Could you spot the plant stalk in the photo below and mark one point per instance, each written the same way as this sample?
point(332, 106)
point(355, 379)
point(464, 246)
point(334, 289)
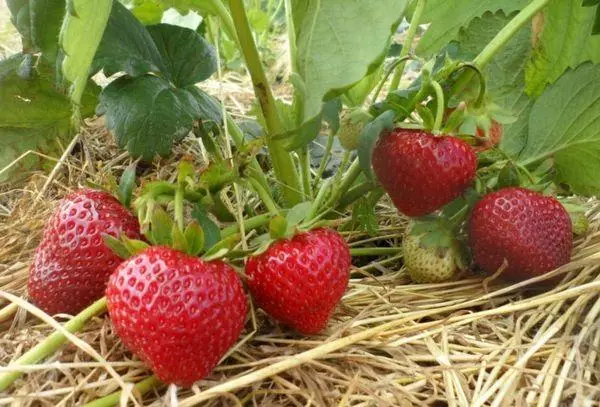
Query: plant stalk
point(250, 223)
point(51, 344)
point(375, 251)
point(407, 46)
point(143, 387)
point(283, 165)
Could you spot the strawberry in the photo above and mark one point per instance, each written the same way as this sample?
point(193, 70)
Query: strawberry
point(177, 313)
point(72, 264)
point(494, 136)
point(299, 281)
point(422, 172)
point(427, 264)
point(531, 231)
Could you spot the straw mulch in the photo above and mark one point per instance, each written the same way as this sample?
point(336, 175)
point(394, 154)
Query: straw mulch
point(473, 341)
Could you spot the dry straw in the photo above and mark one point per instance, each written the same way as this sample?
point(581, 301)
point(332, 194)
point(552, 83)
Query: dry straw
point(473, 341)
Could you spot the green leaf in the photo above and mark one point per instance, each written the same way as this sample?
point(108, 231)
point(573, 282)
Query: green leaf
point(134, 246)
point(297, 213)
point(447, 17)
point(331, 113)
point(188, 57)
point(565, 124)
point(35, 116)
point(357, 94)
point(38, 22)
point(368, 139)
point(117, 246)
point(563, 43)
point(178, 239)
point(212, 233)
point(148, 12)
point(80, 36)
point(127, 185)
point(147, 115)
point(161, 226)
point(194, 236)
point(278, 227)
point(259, 20)
point(337, 44)
point(127, 46)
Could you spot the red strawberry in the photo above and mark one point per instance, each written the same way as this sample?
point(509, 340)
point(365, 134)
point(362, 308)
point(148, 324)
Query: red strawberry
point(422, 172)
point(493, 138)
point(72, 264)
point(177, 313)
point(299, 281)
point(531, 231)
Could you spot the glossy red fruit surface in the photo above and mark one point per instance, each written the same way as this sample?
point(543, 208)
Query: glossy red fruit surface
point(72, 264)
point(177, 313)
point(531, 231)
point(299, 281)
point(422, 172)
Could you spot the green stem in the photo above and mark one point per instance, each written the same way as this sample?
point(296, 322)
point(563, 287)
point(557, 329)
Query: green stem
point(217, 7)
point(112, 399)
point(51, 344)
point(291, 31)
point(387, 74)
point(316, 206)
point(178, 204)
point(375, 251)
point(305, 174)
point(8, 311)
point(356, 193)
point(439, 113)
point(407, 46)
point(349, 177)
point(265, 197)
point(283, 165)
point(250, 223)
point(324, 159)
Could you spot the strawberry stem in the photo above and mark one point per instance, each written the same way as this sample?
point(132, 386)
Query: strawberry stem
point(407, 45)
point(51, 344)
point(375, 251)
point(396, 64)
point(264, 196)
point(439, 113)
point(142, 387)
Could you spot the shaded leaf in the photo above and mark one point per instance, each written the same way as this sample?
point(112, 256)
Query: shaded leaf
point(212, 233)
point(447, 18)
point(194, 236)
point(563, 43)
point(565, 124)
point(333, 38)
point(127, 185)
point(369, 137)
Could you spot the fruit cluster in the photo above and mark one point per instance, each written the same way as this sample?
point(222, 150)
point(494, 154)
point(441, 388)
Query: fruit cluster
point(514, 230)
point(179, 313)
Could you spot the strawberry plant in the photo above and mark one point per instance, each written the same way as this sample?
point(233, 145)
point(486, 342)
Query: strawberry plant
point(502, 118)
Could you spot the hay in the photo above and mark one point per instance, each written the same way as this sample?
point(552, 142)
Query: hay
point(473, 341)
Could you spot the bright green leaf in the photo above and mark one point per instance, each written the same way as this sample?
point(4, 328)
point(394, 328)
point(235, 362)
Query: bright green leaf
point(178, 239)
point(259, 20)
point(117, 246)
point(564, 42)
point(80, 36)
point(338, 44)
point(161, 226)
point(448, 16)
point(297, 213)
point(194, 236)
point(148, 12)
point(565, 124)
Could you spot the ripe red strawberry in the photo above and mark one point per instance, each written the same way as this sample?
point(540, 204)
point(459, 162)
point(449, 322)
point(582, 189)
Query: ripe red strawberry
point(422, 172)
point(299, 281)
point(177, 313)
point(72, 264)
point(531, 231)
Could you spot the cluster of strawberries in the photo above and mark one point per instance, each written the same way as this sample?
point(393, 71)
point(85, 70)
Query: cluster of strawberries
point(521, 231)
point(179, 313)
